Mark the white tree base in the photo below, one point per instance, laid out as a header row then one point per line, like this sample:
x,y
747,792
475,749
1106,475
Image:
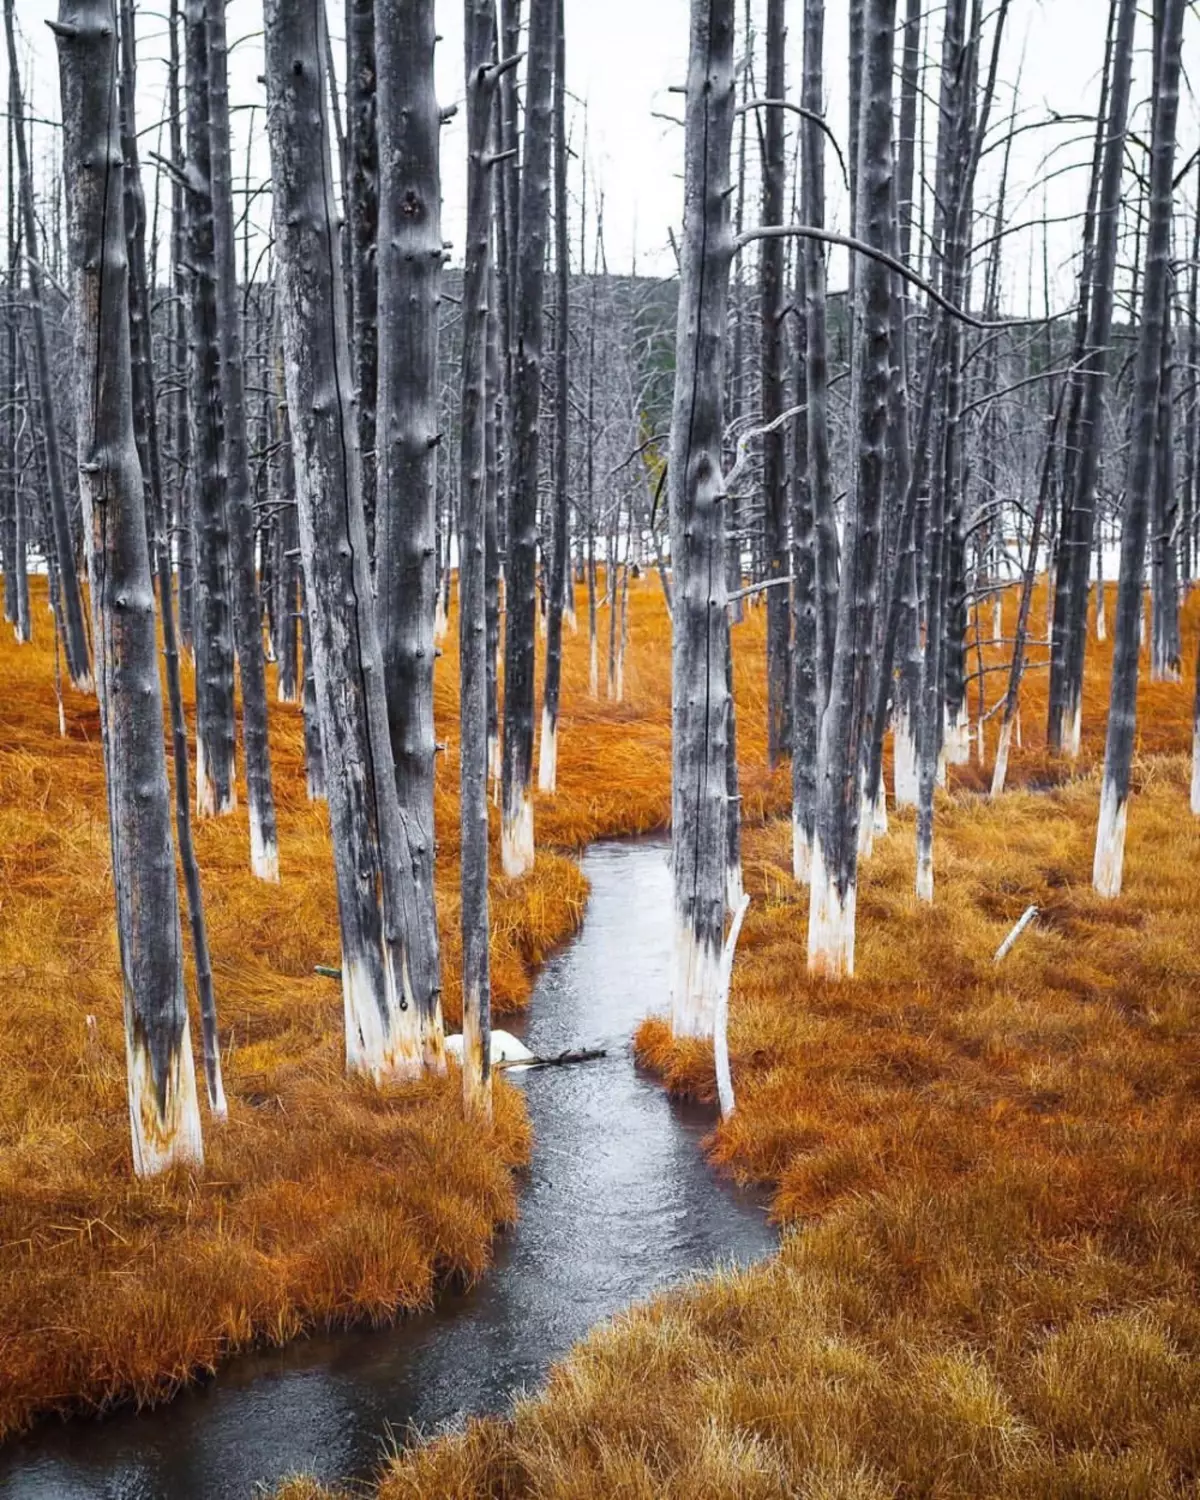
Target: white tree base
x,y
440,623
286,697
548,754
997,621
1196,769
1000,769
830,922
801,853
516,836
721,1020
695,982
1108,865
495,766
162,1140
866,828
958,740
264,852
571,620
1101,622
734,886
593,670
904,755
206,790
1074,729
924,886
384,1048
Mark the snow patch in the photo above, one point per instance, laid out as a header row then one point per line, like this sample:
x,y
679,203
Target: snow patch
x,y
504,1050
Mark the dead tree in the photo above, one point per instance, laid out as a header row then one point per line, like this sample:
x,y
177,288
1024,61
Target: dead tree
x,y
831,925
410,274
70,597
13,511
516,799
373,858
362,212
560,542
1108,865
216,734
771,312
163,1110
699,710
239,498
1069,639
145,425
481,79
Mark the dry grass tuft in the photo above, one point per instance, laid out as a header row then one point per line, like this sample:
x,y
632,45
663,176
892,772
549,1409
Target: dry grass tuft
x,y
988,1179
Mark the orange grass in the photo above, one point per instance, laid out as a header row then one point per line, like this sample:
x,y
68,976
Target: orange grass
x,y
987,1178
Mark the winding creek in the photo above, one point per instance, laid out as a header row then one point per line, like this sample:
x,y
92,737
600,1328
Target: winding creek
x,y
618,1204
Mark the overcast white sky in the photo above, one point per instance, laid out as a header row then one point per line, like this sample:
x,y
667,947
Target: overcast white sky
x,y
623,58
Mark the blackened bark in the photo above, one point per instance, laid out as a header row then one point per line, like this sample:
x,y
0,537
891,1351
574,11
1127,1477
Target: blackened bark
x,y
560,544
213,621
410,273
373,862
520,596
239,495
699,709
771,311
805,648
74,634
164,1117
362,151
184,537
1108,864
1166,645
480,22
846,718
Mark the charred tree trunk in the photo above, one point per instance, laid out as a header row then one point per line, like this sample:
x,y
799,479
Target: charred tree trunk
x,y
774,452
548,753
1109,859
362,150
181,509
410,274
1079,520
516,805
70,597
163,1110
13,510
378,902
216,734
699,706
481,77
1166,645
239,497
835,844
806,691
145,423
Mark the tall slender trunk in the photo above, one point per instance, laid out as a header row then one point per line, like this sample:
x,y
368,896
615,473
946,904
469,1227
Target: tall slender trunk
x,y
1069,641
145,423
1166,645
216,791
548,751
13,509
239,498
516,805
775,483
362,211
410,274
805,667
699,707
181,510
481,78
163,1109
374,860
492,443
831,926
812,186
1108,864
74,633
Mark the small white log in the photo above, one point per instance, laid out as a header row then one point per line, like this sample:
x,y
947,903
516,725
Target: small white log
x,y
1006,946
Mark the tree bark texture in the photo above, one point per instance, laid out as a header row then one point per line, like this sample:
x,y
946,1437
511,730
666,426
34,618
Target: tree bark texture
x,y
362,150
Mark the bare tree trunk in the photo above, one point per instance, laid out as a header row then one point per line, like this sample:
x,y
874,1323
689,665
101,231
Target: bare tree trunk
x,y
812,181
362,150
216,791
16,574
145,422
374,861
163,1109
74,634
239,503
775,497
492,433
699,699
831,926
410,274
1079,519
806,692
548,752
1166,645
181,510
1109,859
481,78
516,809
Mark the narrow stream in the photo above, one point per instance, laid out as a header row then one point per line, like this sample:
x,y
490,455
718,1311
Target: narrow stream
x,y
619,1203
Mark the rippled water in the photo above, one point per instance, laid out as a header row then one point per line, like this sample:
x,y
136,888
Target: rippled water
x,y
618,1203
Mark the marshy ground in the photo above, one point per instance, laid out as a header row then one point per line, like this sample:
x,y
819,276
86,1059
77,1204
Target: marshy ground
x,y
988,1174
